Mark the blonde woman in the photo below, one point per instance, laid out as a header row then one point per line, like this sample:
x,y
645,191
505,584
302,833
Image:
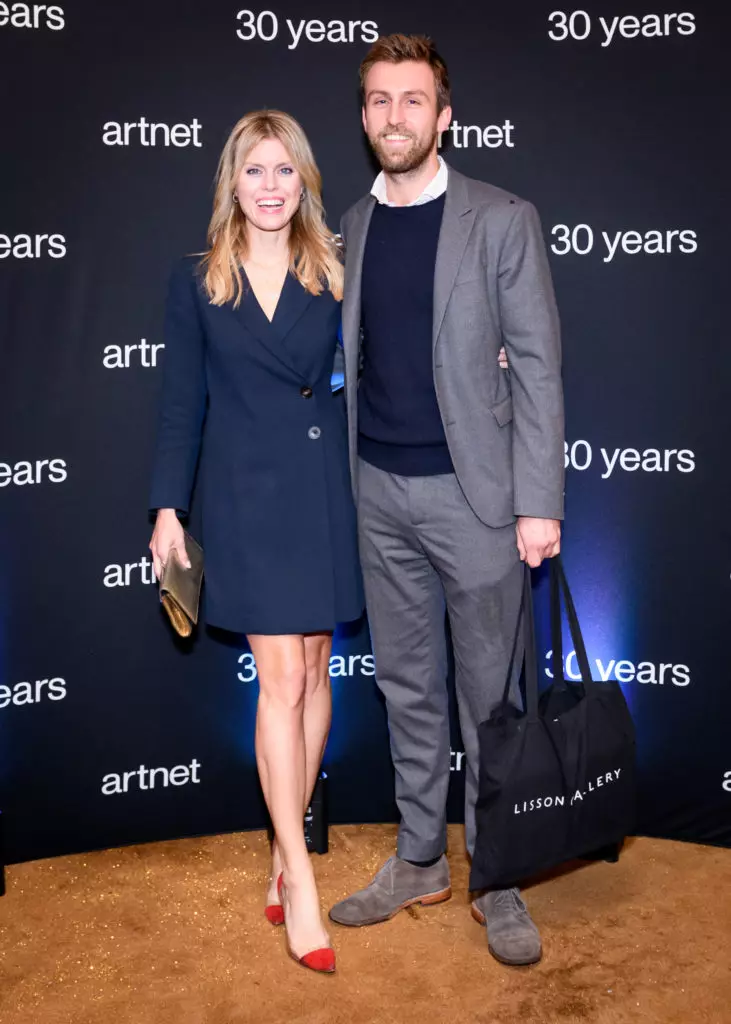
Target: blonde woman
x,y
251,334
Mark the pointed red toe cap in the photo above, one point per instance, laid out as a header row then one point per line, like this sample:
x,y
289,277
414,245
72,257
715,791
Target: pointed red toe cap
x,y
274,913
322,960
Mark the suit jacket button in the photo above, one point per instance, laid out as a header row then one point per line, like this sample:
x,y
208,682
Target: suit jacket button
x,y
306,392
313,433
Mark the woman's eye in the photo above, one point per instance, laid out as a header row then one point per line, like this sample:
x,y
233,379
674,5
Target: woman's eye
x,y
286,170
252,170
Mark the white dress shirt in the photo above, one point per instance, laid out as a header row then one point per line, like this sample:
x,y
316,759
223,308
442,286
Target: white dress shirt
x,y
436,187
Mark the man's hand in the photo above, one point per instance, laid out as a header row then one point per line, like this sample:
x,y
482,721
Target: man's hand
x,y
537,539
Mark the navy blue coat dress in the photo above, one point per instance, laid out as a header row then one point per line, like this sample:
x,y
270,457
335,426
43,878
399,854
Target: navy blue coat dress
x,y
247,404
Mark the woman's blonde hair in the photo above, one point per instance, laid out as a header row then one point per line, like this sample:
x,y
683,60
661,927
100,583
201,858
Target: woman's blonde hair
x,y
313,253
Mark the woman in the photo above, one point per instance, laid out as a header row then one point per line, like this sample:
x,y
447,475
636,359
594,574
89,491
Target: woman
x,y
251,333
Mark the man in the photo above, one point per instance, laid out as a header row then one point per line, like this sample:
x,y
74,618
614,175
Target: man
x,y
457,466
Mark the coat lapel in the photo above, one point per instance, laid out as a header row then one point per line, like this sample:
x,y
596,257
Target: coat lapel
x,y
293,302
457,221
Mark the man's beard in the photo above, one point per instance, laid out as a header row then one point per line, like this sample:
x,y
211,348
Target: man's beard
x,y
404,160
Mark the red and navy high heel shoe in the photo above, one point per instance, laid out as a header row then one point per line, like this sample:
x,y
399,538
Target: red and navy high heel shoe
x,y
321,960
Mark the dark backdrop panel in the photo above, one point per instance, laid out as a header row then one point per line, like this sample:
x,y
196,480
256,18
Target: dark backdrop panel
x,y
609,120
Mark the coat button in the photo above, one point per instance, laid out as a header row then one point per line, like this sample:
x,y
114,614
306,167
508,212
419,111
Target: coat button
x,y
313,433
306,392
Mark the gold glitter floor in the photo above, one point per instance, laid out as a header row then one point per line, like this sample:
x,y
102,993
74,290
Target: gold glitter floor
x,y
173,933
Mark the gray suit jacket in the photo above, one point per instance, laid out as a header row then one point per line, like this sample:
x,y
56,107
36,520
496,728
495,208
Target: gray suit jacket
x,y
492,287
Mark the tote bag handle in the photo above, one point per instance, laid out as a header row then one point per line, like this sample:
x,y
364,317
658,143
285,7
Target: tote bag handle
x,y
526,617
558,586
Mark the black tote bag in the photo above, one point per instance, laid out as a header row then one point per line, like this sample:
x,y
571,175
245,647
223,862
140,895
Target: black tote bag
x,y
558,781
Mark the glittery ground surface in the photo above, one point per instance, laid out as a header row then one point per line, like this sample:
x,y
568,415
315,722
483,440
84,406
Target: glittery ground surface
x,y
173,933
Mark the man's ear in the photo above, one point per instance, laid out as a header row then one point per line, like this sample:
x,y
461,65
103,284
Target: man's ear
x,y
363,119
443,120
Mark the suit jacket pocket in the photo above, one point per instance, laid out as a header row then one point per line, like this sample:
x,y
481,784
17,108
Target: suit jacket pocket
x,y
503,411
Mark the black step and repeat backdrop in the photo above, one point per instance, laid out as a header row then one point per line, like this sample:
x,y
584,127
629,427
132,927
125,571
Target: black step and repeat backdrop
x,y
112,116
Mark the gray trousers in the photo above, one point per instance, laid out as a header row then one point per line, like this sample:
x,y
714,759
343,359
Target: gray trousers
x,y
422,549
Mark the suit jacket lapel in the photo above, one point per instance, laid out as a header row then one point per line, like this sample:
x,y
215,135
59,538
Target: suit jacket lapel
x,y
457,224
355,247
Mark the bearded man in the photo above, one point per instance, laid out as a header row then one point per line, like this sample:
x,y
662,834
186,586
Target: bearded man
x,y
457,464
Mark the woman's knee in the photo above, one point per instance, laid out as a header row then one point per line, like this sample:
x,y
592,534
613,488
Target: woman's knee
x,y
317,664
281,668
286,687
318,681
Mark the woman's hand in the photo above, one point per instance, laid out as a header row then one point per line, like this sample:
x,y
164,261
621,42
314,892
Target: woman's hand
x,y
167,536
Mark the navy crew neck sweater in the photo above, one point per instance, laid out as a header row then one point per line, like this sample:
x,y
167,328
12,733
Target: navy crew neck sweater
x,y
400,427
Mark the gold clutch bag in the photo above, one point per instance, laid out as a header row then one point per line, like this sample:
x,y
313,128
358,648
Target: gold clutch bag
x,y
180,588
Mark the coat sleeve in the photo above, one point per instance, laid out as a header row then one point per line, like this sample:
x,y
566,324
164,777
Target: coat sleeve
x,y
532,340
184,395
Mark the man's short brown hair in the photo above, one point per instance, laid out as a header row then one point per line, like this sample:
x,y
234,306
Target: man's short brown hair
x,y
397,48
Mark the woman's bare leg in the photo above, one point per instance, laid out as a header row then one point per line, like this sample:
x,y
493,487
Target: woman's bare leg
x,y
318,704
282,760
317,716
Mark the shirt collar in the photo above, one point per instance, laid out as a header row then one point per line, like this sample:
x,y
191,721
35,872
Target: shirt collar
x,y
436,187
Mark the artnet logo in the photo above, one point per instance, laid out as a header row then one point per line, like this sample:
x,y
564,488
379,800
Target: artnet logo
x,y
265,26
39,471
726,784
150,778
127,574
122,357
32,247
32,16
493,136
624,671
35,692
456,757
152,133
